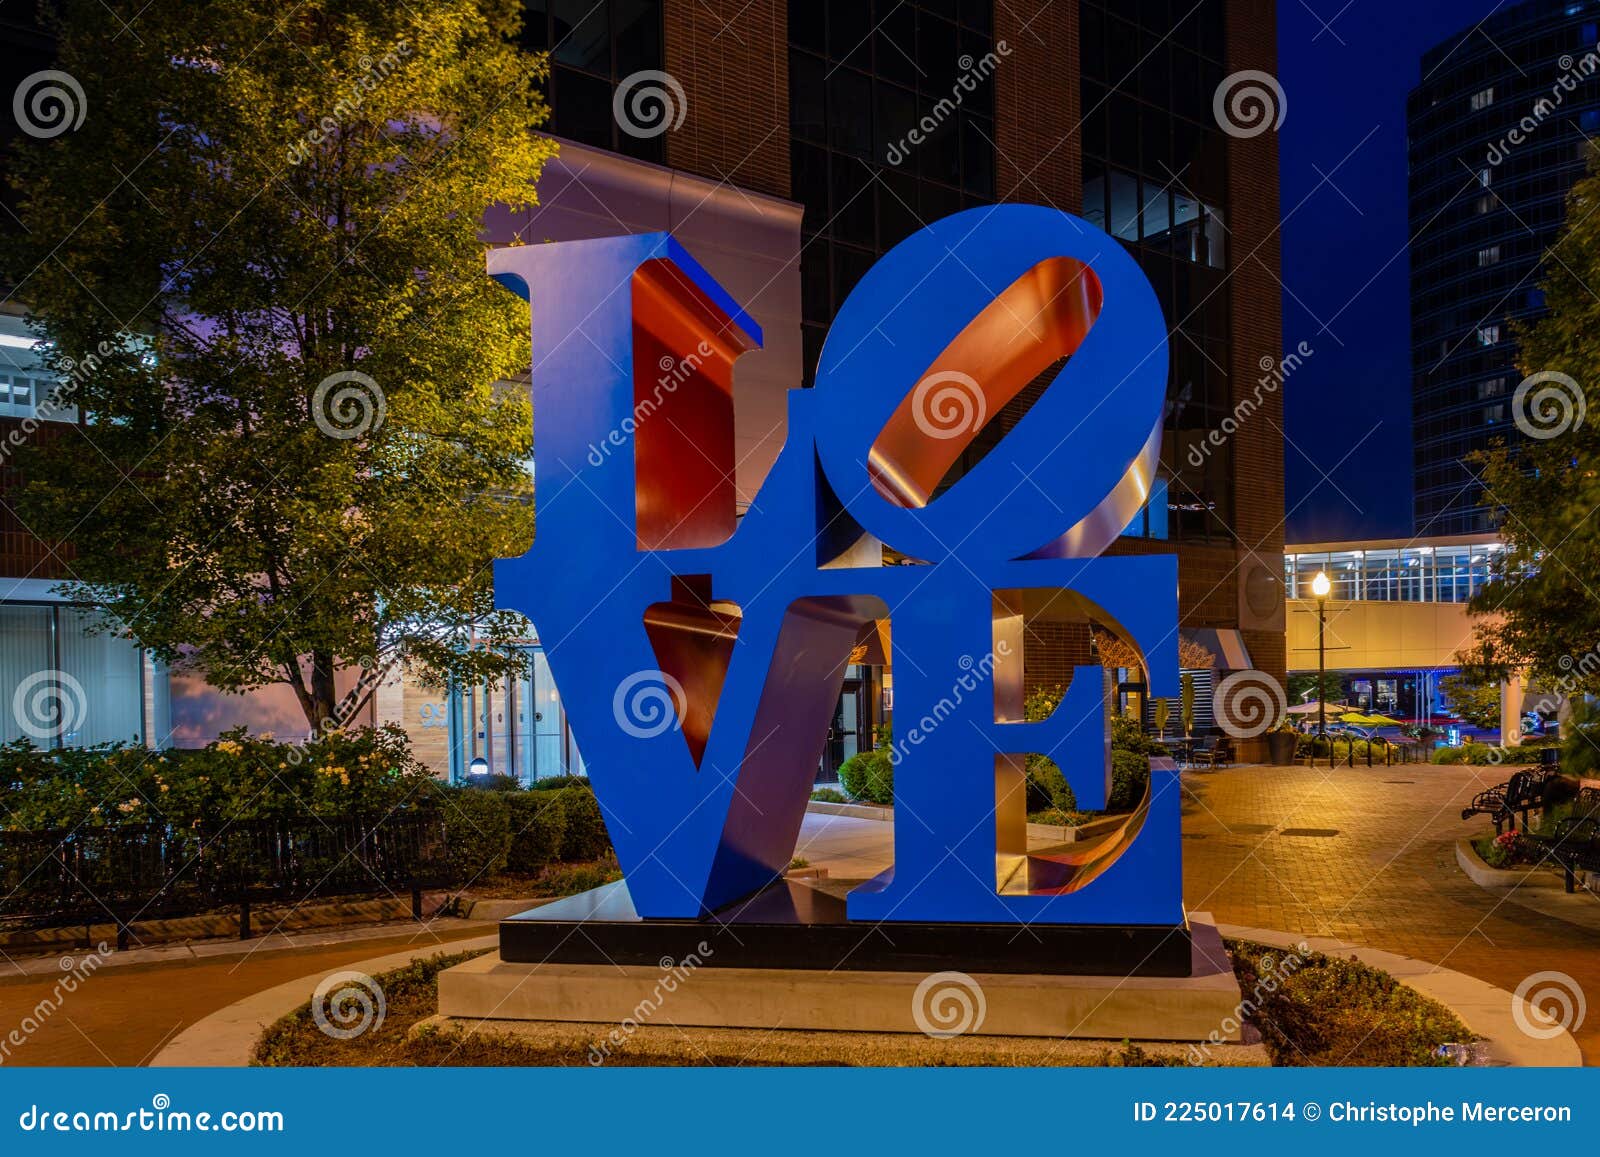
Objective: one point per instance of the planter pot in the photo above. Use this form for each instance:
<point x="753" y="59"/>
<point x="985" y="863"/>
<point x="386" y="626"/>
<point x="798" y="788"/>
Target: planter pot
<point x="1281" y="747"/>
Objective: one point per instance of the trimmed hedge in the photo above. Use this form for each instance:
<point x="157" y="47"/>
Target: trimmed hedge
<point x="1130" y="779"/>
<point x="585" y="837"/>
<point x="538" y="825"/>
<point x="478" y="831"/>
<point x="868" y="776"/>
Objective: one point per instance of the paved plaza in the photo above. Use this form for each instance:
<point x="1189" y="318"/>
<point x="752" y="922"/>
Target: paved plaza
<point x="1363" y="855"/>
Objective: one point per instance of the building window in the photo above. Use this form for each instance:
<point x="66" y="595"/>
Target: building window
<point x="1492" y="388"/>
<point x="1152" y="212"/>
<point x="1488" y="335"/>
<point x="1482" y="99"/>
<point x="891" y="123"/>
<point x="594" y="45"/>
<point x="1483" y="205"/>
<point x="1485" y="177"/>
<point x="73" y="682"/>
<point x="1488" y="256"/>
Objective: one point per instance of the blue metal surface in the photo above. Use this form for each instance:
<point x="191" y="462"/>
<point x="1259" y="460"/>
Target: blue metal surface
<point x="700" y="682"/>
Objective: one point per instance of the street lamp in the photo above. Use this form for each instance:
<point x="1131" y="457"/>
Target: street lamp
<point x="1321" y="588"/>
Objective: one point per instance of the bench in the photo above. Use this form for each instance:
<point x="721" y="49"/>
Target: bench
<point x="1213" y="752"/>
<point x="1524" y="791"/>
<point x="1575" y="843"/>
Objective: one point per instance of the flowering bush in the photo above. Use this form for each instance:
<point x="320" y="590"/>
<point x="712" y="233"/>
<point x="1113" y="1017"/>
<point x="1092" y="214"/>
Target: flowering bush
<point x="238" y="777"/>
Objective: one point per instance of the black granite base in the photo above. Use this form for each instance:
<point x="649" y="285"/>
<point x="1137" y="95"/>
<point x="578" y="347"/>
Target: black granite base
<point x="792" y="925"/>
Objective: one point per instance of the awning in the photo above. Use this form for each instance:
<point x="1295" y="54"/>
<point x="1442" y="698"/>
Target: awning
<point x="1225" y="643"/>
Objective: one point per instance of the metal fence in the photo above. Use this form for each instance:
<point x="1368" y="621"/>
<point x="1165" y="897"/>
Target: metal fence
<point x="135" y="872"/>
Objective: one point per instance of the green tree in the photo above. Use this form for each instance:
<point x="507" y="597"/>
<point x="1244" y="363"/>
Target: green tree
<point x="1303" y="688"/>
<point x="259" y="266"/>
<point x="1475" y="698"/>
<point x="1545" y="487"/>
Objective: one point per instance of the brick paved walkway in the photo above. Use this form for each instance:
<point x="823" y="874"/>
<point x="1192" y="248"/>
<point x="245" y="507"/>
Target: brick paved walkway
<point x="1387" y="879"/>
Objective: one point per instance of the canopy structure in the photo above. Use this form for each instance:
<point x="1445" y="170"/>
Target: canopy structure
<point x="1334" y="709"/>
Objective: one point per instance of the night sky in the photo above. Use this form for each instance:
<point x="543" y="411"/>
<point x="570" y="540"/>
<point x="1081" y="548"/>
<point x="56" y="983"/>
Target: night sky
<point x="1346" y="70"/>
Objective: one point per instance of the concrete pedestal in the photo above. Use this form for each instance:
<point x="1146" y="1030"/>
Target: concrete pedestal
<point x="1200" y="1007"/>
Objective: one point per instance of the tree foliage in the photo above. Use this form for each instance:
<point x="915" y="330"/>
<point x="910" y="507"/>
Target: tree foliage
<point x="1474" y="698"/>
<point x="1542" y="595"/>
<point x="259" y="264"/>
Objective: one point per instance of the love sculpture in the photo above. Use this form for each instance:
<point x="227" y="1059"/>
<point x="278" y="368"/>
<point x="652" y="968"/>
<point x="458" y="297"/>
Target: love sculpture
<point x="700" y="657"/>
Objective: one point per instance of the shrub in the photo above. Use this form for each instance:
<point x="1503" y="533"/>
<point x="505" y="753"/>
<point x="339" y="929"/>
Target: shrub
<point x="558" y="782"/>
<point x="538" y="827"/>
<point x="868" y="776"/>
<point x="1329" y="1011"/>
<point x="478" y="831"/>
<point x="240" y="776"/>
<point x="585" y="837"/>
<point x="829" y="795"/>
<point x="1450" y="756"/>
<point x="1130" y="778"/>
<point x="1063" y="819"/>
<point x="1047" y="786"/>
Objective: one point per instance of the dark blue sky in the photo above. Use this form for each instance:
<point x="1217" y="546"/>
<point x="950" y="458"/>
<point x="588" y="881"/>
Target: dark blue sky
<point x="1346" y="70"/>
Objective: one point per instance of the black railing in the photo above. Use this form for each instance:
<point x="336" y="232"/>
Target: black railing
<point x="131" y="872"/>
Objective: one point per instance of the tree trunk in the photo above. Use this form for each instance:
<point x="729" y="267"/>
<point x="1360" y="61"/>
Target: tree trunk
<point x="323" y="699"/>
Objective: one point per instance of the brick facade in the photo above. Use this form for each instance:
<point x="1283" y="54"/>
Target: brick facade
<point x="1038" y="149"/>
<point x="1255" y="286"/>
<point x="732" y="59"/>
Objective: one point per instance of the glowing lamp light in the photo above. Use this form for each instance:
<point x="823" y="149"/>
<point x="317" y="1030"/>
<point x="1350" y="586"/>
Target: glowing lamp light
<point x="1320" y="586"/>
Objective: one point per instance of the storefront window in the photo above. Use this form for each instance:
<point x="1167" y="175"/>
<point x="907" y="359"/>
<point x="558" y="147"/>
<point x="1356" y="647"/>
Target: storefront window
<point x="67" y="681"/>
